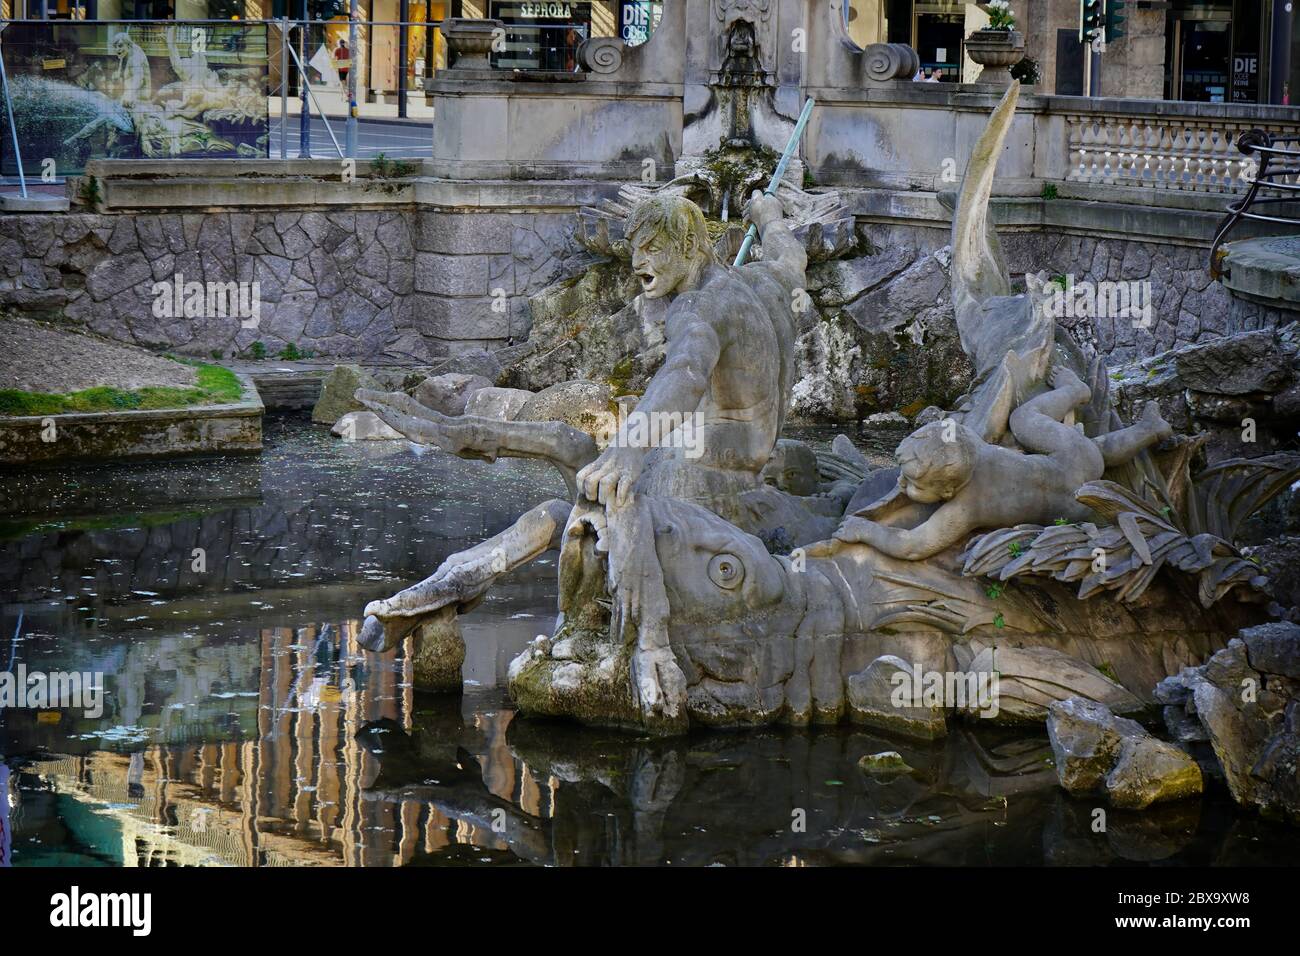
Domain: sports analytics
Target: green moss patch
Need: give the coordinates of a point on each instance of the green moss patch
(216, 386)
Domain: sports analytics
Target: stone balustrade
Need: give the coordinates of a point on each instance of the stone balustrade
(1175, 152)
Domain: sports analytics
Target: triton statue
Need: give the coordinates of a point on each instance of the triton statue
(730, 588)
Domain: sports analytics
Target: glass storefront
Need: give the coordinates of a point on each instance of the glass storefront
(546, 34)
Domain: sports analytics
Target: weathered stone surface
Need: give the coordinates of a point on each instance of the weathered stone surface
(478, 362)
(585, 328)
(1274, 648)
(1031, 678)
(1151, 771)
(872, 694)
(449, 392)
(587, 406)
(1216, 386)
(364, 426)
(439, 653)
(1096, 751)
(1247, 700)
(337, 391)
(1236, 738)
(500, 404)
(1235, 365)
(1086, 740)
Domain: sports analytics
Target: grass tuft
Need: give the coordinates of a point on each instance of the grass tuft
(216, 386)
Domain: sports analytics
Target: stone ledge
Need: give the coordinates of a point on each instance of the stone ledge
(233, 428)
(1091, 218)
(496, 83)
(1264, 270)
(33, 202)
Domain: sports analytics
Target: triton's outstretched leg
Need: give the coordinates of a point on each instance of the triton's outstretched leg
(485, 438)
(464, 578)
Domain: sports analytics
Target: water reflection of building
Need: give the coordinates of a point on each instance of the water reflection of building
(294, 790)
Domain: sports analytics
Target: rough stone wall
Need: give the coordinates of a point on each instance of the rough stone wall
(1188, 307)
(410, 285)
(474, 273)
(397, 285)
(337, 283)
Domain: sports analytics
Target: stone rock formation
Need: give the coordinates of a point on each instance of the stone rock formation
(364, 426)
(1246, 701)
(449, 392)
(1095, 751)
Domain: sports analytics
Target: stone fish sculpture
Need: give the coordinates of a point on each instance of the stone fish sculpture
(697, 593)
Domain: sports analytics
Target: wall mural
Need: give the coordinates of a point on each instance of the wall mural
(134, 90)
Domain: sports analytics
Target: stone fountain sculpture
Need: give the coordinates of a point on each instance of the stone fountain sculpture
(1029, 536)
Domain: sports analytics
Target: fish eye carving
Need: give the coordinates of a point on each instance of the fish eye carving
(726, 571)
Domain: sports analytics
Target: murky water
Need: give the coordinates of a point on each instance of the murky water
(241, 724)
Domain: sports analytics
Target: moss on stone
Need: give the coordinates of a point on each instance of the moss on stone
(216, 386)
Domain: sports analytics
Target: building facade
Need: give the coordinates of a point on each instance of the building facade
(1238, 51)
(1232, 51)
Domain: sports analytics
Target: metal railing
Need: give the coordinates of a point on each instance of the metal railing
(1276, 183)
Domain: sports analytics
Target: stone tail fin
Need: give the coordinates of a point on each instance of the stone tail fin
(978, 269)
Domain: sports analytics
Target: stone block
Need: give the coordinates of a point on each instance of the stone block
(451, 275)
(459, 319)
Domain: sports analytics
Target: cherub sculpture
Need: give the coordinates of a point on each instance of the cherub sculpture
(982, 485)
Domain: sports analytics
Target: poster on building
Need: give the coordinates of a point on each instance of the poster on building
(86, 90)
(637, 19)
(544, 35)
(1245, 77)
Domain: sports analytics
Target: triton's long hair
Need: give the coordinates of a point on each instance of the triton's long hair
(676, 217)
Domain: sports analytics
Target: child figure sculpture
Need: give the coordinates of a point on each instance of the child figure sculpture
(987, 486)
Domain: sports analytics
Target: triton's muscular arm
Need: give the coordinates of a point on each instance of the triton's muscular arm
(678, 387)
(779, 244)
(680, 384)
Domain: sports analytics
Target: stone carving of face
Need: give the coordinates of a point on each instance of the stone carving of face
(660, 267)
(792, 468)
(670, 245)
(935, 461)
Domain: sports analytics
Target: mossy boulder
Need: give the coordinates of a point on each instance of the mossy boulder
(587, 406)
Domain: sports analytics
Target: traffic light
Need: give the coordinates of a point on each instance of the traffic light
(1092, 16)
(1113, 20)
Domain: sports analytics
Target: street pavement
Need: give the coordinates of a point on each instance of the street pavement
(395, 139)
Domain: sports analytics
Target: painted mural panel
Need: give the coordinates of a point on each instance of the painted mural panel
(134, 90)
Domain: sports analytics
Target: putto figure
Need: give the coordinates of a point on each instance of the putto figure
(982, 485)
